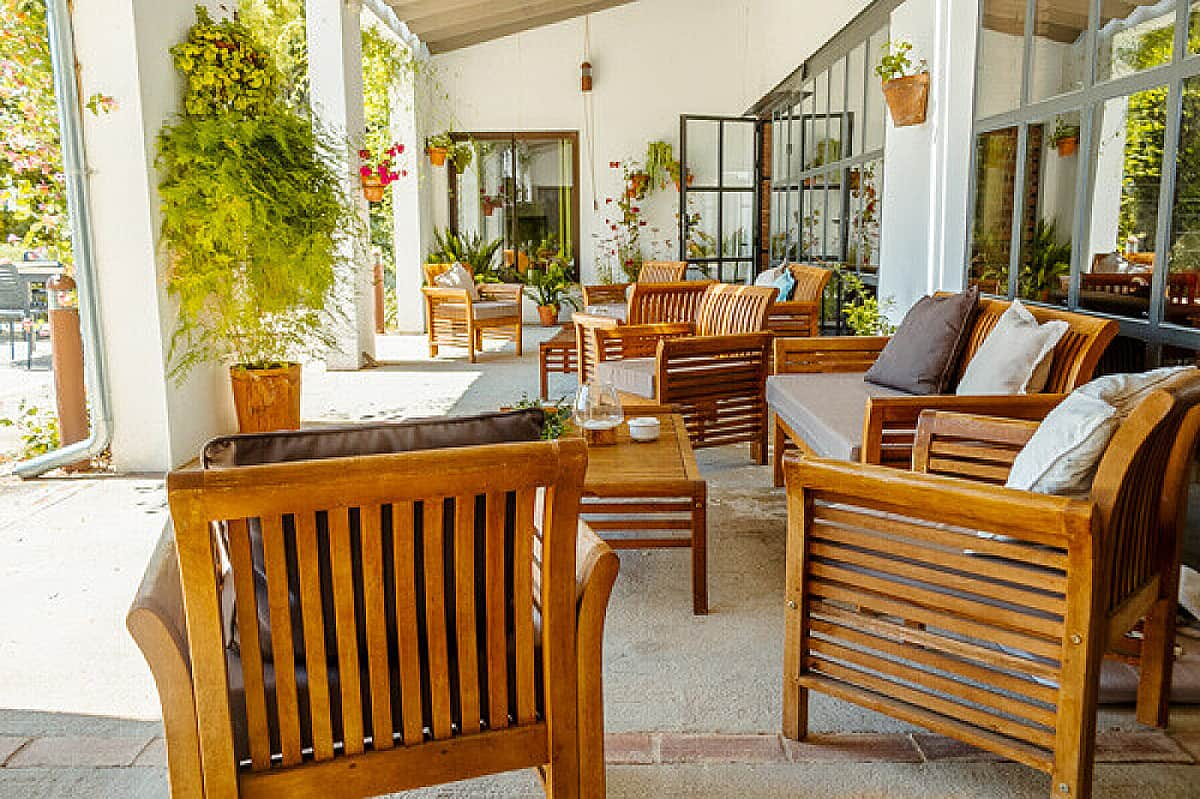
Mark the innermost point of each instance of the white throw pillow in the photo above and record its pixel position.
(1063, 455)
(770, 276)
(1015, 358)
(457, 277)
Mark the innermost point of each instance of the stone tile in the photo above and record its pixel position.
(716, 748)
(941, 748)
(154, 755)
(1139, 747)
(854, 748)
(1190, 741)
(78, 752)
(8, 745)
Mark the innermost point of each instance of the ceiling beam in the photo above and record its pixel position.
(487, 30)
(448, 26)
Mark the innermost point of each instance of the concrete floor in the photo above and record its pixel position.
(78, 712)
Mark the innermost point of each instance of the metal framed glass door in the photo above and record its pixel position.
(719, 230)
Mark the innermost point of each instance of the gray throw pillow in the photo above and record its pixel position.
(922, 354)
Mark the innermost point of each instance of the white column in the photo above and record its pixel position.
(335, 83)
(410, 220)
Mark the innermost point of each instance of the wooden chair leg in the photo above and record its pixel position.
(1075, 735)
(1158, 645)
(758, 447)
(518, 338)
(777, 453)
(474, 342)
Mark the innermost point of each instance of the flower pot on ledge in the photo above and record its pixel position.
(1067, 147)
(908, 99)
(266, 399)
(548, 314)
(373, 188)
(437, 155)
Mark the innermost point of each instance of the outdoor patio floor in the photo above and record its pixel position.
(692, 703)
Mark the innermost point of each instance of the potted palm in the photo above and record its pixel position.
(254, 214)
(549, 285)
(905, 84)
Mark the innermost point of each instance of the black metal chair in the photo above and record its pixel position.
(14, 308)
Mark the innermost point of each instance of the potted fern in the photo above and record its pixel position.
(549, 285)
(905, 84)
(254, 212)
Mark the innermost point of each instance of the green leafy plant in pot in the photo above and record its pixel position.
(905, 83)
(549, 285)
(255, 211)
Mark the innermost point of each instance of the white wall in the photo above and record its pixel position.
(122, 51)
(653, 60)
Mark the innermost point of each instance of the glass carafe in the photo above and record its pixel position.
(598, 407)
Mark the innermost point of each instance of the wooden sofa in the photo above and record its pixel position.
(455, 319)
(801, 314)
(349, 716)
(651, 272)
(821, 405)
(983, 613)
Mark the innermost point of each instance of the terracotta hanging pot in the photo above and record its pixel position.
(548, 315)
(266, 399)
(1067, 147)
(489, 208)
(437, 155)
(373, 188)
(908, 99)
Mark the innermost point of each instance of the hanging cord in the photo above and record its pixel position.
(589, 113)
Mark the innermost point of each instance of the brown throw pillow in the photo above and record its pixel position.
(921, 356)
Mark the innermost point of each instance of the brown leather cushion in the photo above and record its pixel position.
(921, 356)
(348, 441)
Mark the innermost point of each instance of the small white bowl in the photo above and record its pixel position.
(644, 428)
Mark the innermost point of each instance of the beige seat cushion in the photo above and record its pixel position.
(488, 309)
(630, 375)
(826, 410)
(613, 310)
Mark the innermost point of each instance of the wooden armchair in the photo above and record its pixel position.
(374, 673)
(650, 303)
(455, 319)
(651, 272)
(889, 422)
(714, 369)
(980, 612)
(801, 315)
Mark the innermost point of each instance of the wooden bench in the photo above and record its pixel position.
(557, 355)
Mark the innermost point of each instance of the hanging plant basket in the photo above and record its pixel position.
(437, 155)
(373, 188)
(908, 99)
(488, 209)
(1067, 147)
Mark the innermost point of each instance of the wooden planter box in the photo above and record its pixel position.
(908, 99)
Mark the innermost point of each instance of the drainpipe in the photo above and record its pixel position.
(62, 58)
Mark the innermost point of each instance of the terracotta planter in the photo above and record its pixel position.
(1067, 147)
(437, 155)
(266, 399)
(488, 209)
(548, 315)
(908, 99)
(373, 188)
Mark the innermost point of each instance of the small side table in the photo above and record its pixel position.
(557, 354)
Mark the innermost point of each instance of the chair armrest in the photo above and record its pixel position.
(439, 294)
(728, 348)
(636, 341)
(795, 306)
(605, 294)
(1018, 516)
(832, 354)
(510, 292)
(596, 567)
(888, 421)
(974, 447)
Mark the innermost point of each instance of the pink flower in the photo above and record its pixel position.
(365, 171)
(382, 171)
(400, 148)
(403, 173)
(364, 154)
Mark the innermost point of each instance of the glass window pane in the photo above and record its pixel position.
(1059, 47)
(738, 223)
(873, 125)
(702, 224)
(1193, 28)
(865, 186)
(801, 115)
(738, 152)
(837, 113)
(1001, 57)
(1184, 265)
(856, 84)
(1141, 38)
(702, 150)
(1051, 167)
(1118, 264)
(815, 134)
(995, 181)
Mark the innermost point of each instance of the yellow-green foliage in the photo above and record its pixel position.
(224, 68)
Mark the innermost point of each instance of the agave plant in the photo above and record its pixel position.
(467, 248)
(1045, 260)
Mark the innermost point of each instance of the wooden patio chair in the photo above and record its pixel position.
(980, 612)
(455, 319)
(889, 422)
(649, 303)
(651, 272)
(714, 370)
(801, 315)
(431, 616)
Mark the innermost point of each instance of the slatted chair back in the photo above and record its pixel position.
(1076, 355)
(811, 281)
(727, 310)
(418, 611)
(656, 303)
(13, 295)
(800, 314)
(662, 272)
(433, 271)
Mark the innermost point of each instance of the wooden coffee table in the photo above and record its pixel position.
(642, 496)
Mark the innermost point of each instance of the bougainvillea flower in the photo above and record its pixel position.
(364, 154)
(365, 171)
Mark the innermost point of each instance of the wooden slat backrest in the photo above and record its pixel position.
(654, 303)
(430, 560)
(810, 282)
(662, 272)
(1076, 355)
(432, 271)
(727, 310)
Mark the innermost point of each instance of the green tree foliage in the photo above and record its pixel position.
(1145, 133)
(33, 199)
(254, 213)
